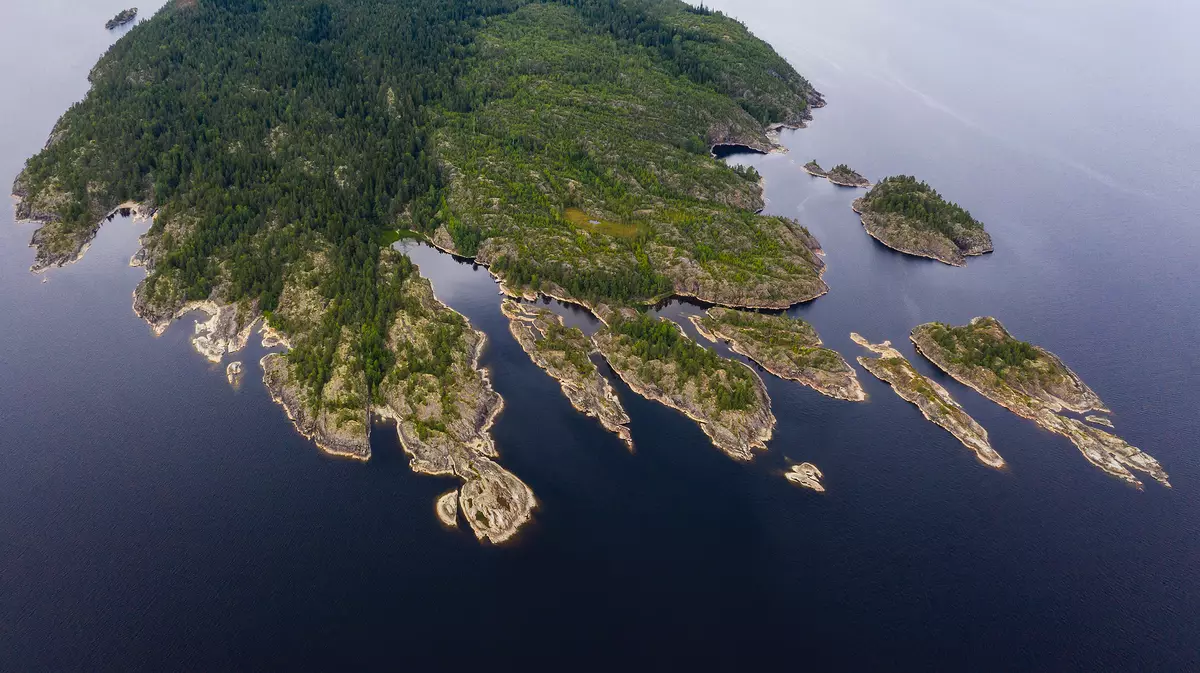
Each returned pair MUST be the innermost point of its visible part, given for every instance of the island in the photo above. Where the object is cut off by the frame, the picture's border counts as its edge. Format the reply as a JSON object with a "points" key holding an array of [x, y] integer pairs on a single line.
{"points": [[564, 145], [1034, 383], [806, 475], [659, 362], [446, 508], [933, 400], [124, 17], [910, 216], [786, 347], [233, 373], [841, 175], [564, 353]]}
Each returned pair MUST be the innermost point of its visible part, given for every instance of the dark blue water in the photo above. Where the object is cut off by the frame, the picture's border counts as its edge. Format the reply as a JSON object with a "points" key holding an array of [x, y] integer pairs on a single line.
{"points": [[153, 518]]}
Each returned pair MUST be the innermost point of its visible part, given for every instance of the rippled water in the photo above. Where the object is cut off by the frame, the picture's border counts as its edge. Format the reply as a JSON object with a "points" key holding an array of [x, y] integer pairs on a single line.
{"points": [[151, 517]]}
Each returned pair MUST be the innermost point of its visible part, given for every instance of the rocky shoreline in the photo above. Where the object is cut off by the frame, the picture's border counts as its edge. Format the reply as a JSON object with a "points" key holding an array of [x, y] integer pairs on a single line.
{"points": [[563, 353], [841, 175], [1042, 388], [786, 347], [911, 217], [737, 432], [806, 475], [934, 401]]}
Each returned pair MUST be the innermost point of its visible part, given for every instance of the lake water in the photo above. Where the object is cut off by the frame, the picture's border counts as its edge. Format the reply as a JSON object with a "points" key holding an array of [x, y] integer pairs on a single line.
{"points": [[154, 518]]}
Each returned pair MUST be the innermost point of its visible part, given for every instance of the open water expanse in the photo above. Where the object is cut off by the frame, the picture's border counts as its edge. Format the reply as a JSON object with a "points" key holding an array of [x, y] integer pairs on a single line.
{"points": [[154, 518]]}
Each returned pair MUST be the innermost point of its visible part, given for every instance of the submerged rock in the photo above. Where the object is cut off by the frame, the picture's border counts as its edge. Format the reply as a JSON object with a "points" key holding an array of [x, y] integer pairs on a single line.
{"points": [[1031, 382], [933, 400]]}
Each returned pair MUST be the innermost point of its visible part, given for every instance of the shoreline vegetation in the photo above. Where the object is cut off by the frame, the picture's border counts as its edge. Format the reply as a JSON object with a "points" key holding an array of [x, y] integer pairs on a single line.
{"points": [[659, 362], [564, 353], [786, 347], [909, 216], [841, 175], [605, 195], [1034, 384], [934, 401]]}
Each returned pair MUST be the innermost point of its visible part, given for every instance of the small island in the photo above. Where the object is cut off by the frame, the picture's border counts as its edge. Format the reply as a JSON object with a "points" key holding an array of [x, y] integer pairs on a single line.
{"points": [[806, 475], [841, 175], [933, 400], [787, 347], [910, 216], [234, 373], [1031, 382], [126, 16], [447, 508], [660, 363]]}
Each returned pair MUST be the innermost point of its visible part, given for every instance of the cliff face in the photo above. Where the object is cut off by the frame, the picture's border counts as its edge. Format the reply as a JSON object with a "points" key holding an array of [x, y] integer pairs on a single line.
{"points": [[1037, 387]]}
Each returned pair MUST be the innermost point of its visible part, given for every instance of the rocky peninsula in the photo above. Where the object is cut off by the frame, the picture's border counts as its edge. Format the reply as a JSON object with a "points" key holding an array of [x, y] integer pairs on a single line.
{"points": [[841, 175], [564, 353], [911, 217], [124, 17], [787, 347], [1034, 383], [659, 362], [806, 475], [933, 400]]}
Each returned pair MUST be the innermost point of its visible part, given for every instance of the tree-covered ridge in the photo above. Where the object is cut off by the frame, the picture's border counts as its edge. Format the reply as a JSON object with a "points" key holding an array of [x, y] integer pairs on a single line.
{"points": [[919, 203], [652, 340], [659, 362], [576, 120], [981, 344], [787, 347]]}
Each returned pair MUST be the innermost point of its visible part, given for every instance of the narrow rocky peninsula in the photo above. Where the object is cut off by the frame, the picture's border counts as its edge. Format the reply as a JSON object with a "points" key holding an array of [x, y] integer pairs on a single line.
{"points": [[806, 475], [564, 353], [1031, 382], [910, 216], [659, 362], [444, 406], [841, 175], [933, 400], [124, 17], [787, 347]]}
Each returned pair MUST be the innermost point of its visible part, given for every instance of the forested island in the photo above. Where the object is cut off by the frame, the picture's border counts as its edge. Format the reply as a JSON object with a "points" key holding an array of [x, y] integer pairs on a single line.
{"points": [[908, 215], [787, 347], [841, 175], [122, 18], [1031, 382], [564, 143], [564, 353], [933, 400], [661, 363]]}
